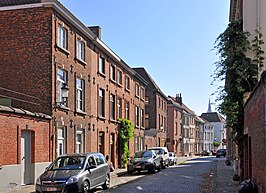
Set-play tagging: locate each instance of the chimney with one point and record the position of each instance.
(96, 30)
(178, 98)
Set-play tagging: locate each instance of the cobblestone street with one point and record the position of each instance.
(191, 175)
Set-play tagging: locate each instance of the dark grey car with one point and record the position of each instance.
(144, 160)
(75, 173)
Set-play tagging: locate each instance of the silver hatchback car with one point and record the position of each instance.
(75, 173)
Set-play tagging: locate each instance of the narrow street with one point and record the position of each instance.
(192, 176)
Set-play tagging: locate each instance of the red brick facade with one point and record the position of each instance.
(11, 127)
(37, 44)
(255, 136)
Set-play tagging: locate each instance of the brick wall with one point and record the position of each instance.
(10, 144)
(256, 130)
(25, 44)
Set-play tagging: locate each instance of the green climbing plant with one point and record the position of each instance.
(239, 74)
(126, 132)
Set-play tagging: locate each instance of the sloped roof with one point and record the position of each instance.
(172, 101)
(213, 117)
(9, 109)
(200, 119)
(4, 3)
(148, 78)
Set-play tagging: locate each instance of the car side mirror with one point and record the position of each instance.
(165, 152)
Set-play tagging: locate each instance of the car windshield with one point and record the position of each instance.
(143, 154)
(68, 163)
(159, 151)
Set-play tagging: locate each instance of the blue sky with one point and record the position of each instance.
(172, 39)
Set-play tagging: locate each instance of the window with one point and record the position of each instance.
(119, 77)
(142, 117)
(137, 90)
(136, 115)
(101, 103)
(62, 37)
(61, 141)
(99, 159)
(101, 65)
(112, 106)
(80, 50)
(127, 110)
(127, 83)
(142, 93)
(80, 95)
(119, 108)
(61, 79)
(101, 143)
(79, 141)
(112, 72)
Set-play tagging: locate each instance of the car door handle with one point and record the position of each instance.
(23, 158)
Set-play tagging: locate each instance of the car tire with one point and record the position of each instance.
(153, 169)
(106, 184)
(130, 172)
(85, 187)
(159, 168)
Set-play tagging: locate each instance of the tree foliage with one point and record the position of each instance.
(238, 72)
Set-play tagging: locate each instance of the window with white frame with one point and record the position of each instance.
(142, 93)
(61, 141)
(112, 72)
(101, 65)
(101, 103)
(62, 37)
(127, 83)
(119, 77)
(136, 115)
(81, 50)
(137, 89)
(142, 118)
(61, 80)
(79, 141)
(80, 95)
(119, 108)
(127, 110)
(112, 106)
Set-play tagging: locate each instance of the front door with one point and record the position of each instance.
(26, 158)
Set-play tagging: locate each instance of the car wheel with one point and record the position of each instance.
(159, 168)
(153, 169)
(106, 184)
(130, 172)
(85, 187)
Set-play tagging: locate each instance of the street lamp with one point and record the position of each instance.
(65, 91)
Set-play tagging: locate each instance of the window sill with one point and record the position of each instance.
(113, 81)
(65, 51)
(143, 128)
(61, 107)
(79, 112)
(126, 89)
(81, 61)
(113, 121)
(102, 74)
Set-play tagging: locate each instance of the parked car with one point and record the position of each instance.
(163, 153)
(205, 153)
(172, 158)
(75, 173)
(221, 152)
(213, 151)
(144, 160)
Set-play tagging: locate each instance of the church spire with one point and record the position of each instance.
(209, 107)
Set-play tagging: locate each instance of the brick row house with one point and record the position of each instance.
(62, 68)
(155, 112)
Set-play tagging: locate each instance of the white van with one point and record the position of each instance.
(163, 153)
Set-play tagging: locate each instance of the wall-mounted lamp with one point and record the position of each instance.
(65, 90)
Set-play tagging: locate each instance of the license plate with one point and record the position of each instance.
(51, 189)
(138, 166)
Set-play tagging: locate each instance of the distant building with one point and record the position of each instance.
(214, 129)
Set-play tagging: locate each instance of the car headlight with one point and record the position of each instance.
(38, 181)
(72, 179)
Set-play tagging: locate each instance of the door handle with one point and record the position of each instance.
(23, 158)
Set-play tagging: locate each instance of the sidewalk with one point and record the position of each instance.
(223, 178)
